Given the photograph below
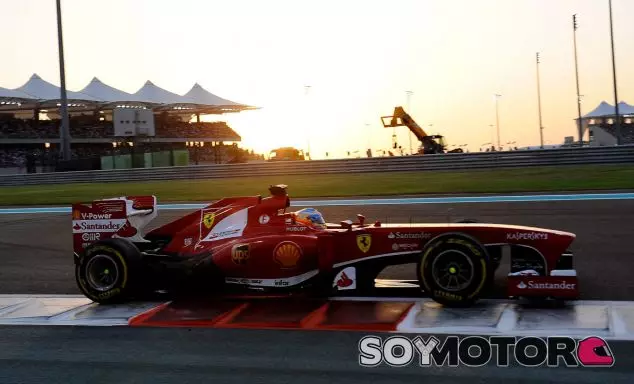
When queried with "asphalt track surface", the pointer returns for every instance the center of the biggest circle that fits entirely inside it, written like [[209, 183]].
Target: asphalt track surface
[[36, 249], [124, 355]]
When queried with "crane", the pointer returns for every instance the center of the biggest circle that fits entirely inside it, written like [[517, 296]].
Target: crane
[[430, 143]]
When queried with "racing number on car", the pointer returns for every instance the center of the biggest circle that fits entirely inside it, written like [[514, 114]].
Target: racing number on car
[[364, 242]]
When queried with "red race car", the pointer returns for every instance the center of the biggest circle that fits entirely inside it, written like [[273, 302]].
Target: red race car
[[253, 244]]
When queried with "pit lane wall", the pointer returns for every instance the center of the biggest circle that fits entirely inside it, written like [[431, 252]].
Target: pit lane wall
[[450, 161], [610, 320]]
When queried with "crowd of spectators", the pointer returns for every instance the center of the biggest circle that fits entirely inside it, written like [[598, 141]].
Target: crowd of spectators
[[627, 131], [87, 127]]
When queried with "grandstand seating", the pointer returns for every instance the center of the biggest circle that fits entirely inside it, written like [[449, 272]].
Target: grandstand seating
[[48, 129], [627, 131]]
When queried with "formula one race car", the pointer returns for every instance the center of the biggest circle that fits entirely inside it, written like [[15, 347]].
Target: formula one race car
[[254, 244]]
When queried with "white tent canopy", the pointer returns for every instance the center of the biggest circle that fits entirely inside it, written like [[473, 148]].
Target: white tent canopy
[[39, 91], [6, 93], [154, 94], [607, 110], [43, 90], [201, 96], [106, 93]]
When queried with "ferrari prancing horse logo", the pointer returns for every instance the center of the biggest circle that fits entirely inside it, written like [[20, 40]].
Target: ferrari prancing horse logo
[[208, 219], [364, 242]]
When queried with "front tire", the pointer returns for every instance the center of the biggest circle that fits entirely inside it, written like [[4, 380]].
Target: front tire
[[454, 270], [107, 271]]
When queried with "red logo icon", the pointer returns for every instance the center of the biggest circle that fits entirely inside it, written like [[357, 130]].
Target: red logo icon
[[344, 281], [593, 351], [76, 227]]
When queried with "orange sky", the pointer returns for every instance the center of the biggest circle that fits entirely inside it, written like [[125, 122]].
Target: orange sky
[[358, 56]]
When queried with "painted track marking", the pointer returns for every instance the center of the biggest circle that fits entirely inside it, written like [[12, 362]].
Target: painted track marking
[[384, 201]]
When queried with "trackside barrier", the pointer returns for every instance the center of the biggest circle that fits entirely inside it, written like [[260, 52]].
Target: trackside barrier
[[451, 161], [611, 320]]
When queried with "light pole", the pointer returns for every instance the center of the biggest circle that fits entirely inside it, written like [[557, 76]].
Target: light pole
[[579, 125], [65, 128], [616, 95], [497, 117], [306, 90], [409, 135], [539, 106]]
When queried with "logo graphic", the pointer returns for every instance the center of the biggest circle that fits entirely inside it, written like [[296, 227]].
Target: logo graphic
[[521, 285], [208, 219], [76, 214], [76, 227], [364, 242], [91, 236], [527, 236], [113, 225], [395, 247], [399, 235], [453, 351], [188, 241], [346, 279], [593, 351], [264, 219], [286, 254], [240, 254]]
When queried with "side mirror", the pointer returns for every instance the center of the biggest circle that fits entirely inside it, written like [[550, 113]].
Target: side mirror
[[346, 224]]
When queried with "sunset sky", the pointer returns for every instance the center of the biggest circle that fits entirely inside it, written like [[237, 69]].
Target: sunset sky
[[358, 56]]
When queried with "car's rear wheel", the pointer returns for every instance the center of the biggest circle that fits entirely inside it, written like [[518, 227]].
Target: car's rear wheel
[[107, 270], [453, 270]]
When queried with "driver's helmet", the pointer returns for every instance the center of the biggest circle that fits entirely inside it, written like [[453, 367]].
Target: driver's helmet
[[310, 217]]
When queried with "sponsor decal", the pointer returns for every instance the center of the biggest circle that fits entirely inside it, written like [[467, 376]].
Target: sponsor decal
[[188, 241], [240, 254], [287, 254], [364, 242], [208, 219], [527, 236], [234, 280], [281, 283], [528, 272], [224, 234], [296, 229], [397, 246], [346, 279], [114, 225], [96, 216], [91, 236], [76, 214], [399, 235], [264, 219], [478, 351], [533, 285], [229, 227]]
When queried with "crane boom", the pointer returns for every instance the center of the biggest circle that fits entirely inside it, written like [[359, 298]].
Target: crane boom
[[405, 120], [430, 144]]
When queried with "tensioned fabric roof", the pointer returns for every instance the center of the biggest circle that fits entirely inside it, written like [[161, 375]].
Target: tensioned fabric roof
[[605, 109], [39, 91]]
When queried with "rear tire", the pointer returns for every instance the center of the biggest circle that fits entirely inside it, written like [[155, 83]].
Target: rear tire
[[107, 271], [453, 270]]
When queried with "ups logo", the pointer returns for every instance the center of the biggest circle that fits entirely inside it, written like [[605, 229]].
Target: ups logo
[[240, 254]]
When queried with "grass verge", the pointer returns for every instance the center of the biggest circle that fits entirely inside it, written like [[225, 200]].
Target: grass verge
[[543, 179]]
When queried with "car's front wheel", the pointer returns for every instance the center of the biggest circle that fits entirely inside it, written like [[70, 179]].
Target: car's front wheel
[[107, 270], [453, 270]]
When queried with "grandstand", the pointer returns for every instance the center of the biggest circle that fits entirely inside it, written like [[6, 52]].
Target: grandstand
[[599, 124], [30, 121]]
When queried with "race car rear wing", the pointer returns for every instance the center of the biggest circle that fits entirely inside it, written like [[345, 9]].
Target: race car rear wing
[[124, 217]]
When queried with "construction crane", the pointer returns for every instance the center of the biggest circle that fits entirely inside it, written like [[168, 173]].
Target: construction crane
[[430, 144]]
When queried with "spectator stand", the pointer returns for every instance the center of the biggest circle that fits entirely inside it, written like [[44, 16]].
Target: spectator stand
[[30, 124]]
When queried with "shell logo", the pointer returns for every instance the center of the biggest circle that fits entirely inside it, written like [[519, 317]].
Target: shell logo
[[287, 254], [76, 215]]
